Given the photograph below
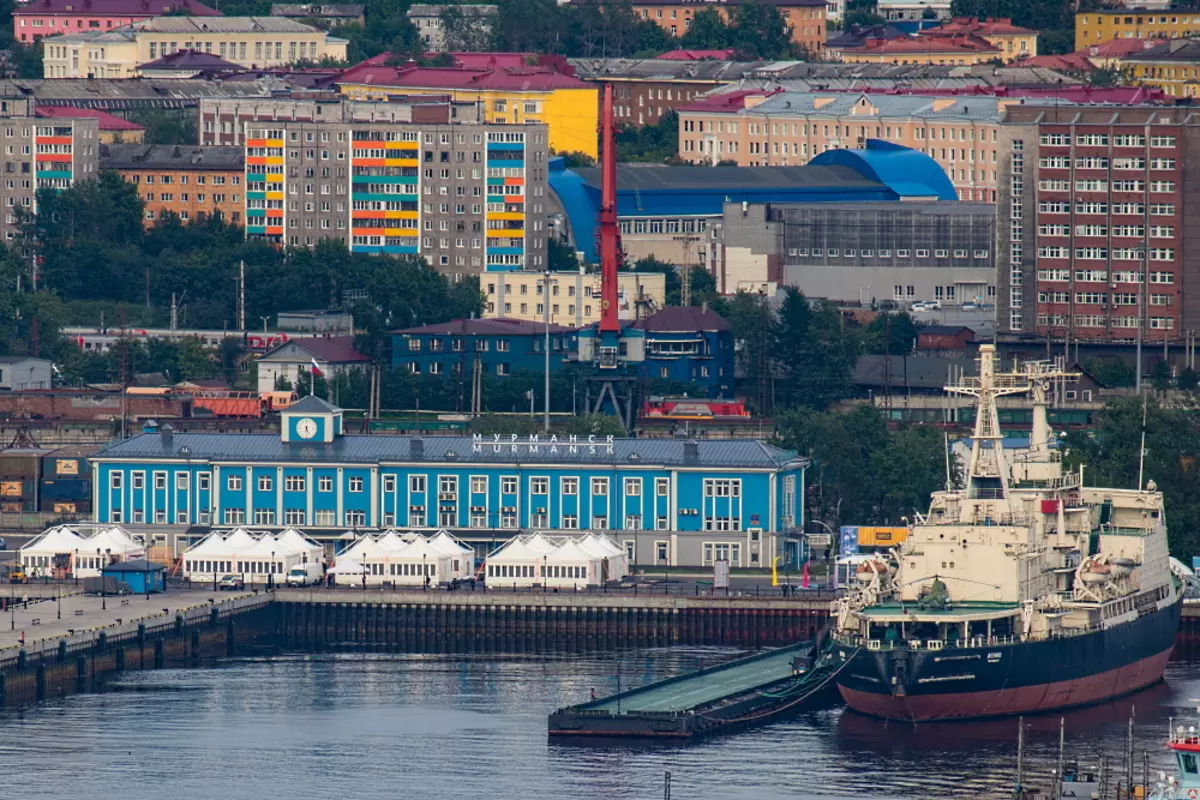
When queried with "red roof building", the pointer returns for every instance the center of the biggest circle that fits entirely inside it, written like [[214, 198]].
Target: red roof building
[[1013, 41], [113, 129], [42, 18], [957, 49]]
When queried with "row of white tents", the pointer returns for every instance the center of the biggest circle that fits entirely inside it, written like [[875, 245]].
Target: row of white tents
[[256, 557], [564, 562], [76, 551], [406, 559]]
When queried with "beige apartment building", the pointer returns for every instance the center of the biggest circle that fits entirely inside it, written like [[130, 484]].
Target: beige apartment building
[[574, 296], [762, 128], [250, 42]]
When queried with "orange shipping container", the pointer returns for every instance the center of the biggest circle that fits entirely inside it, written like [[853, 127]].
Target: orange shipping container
[[230, 406]]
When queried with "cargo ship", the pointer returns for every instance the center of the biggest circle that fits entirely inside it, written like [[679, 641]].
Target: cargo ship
[[1023, 591]]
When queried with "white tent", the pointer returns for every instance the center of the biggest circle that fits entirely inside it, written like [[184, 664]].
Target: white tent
[[117, 542], [539, 543], [462, 557], [514, 564], [238, 552], [616, 562], [61, 542], [410, 565], [348, 567], [571, 566], [310, 550]]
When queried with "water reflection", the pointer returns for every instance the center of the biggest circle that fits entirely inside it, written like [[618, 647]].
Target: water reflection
[[366, 726]]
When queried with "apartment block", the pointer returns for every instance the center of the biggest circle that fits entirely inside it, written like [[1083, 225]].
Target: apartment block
[[36, 20], [574, 296], [468, 197], [771, 128], [191, 182], [223, 120], [41, 154], [1092, 243]]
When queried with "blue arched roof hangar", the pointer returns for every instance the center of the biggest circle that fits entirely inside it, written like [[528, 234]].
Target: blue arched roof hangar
[[880, 171], [907, 172]]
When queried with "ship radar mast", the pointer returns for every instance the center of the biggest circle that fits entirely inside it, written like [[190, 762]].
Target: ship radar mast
[[988, 473]]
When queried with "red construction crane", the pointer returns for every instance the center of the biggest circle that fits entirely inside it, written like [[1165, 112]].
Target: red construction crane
[[610, 244]]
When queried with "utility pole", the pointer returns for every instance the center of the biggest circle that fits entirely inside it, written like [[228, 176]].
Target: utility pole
[[546, 388], [242, 296], [174, 313]]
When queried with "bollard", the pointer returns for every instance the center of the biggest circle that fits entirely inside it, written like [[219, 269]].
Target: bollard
[[102, 641], [62, 650], [22, 659], [40, 679]]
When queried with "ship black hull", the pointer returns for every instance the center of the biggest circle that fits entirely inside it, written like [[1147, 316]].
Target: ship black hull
[[1001, 680]]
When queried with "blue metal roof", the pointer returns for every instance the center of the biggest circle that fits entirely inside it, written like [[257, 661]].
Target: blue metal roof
[[352, 449], [907, 172], [882, 172]]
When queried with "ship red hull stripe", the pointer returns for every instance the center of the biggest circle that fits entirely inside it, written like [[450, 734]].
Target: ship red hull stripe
[[1023, 700]]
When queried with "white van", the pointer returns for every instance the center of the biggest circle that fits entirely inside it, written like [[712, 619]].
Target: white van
[[304, 574]]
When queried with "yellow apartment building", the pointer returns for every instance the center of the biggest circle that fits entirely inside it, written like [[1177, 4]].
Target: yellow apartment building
[[574, 296], [806, 18], [515, 95], [1106, 24], [247, 41]]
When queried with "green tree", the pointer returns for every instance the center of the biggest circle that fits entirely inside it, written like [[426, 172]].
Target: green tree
[[760, 31], [1187, 379], [752, 324], [708, 32], [813, 353], [657, 143], [464, 31], [892, 333], [166, 126], [561, 257], [1160, 376], [1113, 372]]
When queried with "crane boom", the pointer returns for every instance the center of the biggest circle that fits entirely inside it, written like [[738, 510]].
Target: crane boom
[[609, 231]]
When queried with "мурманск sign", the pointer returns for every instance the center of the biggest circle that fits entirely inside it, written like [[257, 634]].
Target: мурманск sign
[[552, 444]]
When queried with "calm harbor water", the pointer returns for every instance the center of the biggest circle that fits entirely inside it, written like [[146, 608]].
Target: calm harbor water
[[371, 726]]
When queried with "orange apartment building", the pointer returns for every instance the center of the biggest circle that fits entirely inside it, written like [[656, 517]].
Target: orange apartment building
[[806, 18], [193, 181], [762, 128]]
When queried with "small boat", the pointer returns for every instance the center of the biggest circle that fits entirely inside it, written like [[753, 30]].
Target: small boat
[[1184, 742]]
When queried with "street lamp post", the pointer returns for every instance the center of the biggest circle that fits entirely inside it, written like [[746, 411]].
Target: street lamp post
[[75, 567], [271, 574], [103, 597], [545, 571]]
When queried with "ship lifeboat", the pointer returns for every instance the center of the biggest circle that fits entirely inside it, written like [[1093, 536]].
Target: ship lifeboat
[[1122, 566], [868, 569], [1096, 573]]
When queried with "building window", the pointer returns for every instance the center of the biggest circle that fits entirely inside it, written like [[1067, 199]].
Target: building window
[[416, 483], [662, 486], [570, 486], [539, 485], [479, 484], [324, 518], [355, 518], [264, 483], [264, 516], [235, 516], [508, 484], [633, 522], [356, 485], [234, 483], [570, 522], [324, 483], [633, 487], [600, 486]]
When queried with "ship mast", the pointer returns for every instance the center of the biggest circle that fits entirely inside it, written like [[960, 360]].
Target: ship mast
[[987, 475]]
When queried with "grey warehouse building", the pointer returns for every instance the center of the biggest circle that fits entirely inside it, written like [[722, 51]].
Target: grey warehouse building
[[865, 252]]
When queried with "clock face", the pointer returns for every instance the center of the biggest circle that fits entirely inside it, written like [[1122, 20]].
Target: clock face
[[306, 428]]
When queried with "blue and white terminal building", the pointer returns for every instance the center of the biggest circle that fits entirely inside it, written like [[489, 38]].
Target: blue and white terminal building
[[670, 502]]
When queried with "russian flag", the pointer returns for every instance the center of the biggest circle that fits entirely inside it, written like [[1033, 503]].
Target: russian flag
[[317, 370]]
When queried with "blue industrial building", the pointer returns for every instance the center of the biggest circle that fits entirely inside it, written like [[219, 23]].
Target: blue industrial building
[[503, 346], [882, 171], [315, 477], [685, 344]]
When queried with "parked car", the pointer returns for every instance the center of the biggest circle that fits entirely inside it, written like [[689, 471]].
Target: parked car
[[3, 543], [970, 306], [17, 574], [927, 305], [231, 582]]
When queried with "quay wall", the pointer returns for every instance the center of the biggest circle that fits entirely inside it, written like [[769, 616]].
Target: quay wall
[[80, 661], [500, 622]]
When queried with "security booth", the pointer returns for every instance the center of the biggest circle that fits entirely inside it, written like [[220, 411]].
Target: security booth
[[141, 576]]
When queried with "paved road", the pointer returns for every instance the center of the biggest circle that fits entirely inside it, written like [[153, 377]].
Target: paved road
[[702, 689], [39, 620]]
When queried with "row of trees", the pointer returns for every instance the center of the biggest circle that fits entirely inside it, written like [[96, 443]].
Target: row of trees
[[94, 253]]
